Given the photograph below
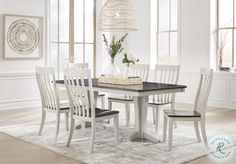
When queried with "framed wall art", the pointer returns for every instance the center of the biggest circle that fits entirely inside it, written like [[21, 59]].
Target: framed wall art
[[23, 37]]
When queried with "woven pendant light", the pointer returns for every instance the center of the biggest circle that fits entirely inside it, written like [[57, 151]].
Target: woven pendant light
[[117, 16]]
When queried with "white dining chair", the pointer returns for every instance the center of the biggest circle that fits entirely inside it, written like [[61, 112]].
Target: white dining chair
[[78, 65], [168, 74], [86, 66], [197, 115], [81, 97], [141, 70], [49, 97]]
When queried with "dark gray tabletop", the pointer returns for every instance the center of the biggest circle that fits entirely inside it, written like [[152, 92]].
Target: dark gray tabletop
[[145, 87]]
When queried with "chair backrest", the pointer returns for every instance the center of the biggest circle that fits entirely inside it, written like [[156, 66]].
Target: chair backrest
[[47, 87], [141, 70], [168, 74], [78, 65], [206, 78], [80, 92]]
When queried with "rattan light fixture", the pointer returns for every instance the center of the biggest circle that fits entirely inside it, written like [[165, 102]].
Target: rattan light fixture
[[117, 16]]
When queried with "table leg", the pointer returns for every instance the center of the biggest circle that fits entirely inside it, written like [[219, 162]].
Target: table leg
[[140, 104], [139, 112]]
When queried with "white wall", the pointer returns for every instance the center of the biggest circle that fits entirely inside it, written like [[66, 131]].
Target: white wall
[[194, 28], [17, 78], [195, 53], [138, 42], [194, 50]]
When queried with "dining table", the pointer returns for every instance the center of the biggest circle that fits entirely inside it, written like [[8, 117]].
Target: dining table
[[140, 94]]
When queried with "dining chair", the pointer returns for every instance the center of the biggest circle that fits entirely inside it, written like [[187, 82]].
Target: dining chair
[[49, 97], [78, 65], [81, 97], [168, 74], [141, 70], [86, 66], [197, 115]]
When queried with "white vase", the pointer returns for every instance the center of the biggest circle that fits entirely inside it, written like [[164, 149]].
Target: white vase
[[112, 70]]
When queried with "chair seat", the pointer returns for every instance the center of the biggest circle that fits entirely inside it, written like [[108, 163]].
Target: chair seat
[[64, 106], [159, 103], [121, 98], [101, 95], [181, 113], [103, 112]]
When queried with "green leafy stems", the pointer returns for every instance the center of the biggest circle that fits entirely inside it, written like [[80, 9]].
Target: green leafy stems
[[115, 47]]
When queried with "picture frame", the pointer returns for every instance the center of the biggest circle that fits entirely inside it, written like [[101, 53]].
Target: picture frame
[[23, 37]]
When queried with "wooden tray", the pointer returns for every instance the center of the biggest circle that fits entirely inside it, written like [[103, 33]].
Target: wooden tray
[[119, 80]]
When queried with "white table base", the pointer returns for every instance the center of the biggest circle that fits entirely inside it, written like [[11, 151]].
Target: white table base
[[140, 105]]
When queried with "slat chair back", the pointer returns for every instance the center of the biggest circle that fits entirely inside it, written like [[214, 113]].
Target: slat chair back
[[206, 78], [86, 66], [47, 86], [78, 65], [168, 74], [80, 92], [141, 70]]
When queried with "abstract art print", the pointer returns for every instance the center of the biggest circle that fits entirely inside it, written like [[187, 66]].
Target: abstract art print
[[23, 38]]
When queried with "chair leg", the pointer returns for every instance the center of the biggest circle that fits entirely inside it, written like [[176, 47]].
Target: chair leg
[[170, 133], [172, 106], [42, 122], [67, 121], [116, 126], [103, 102], [204, 136], [127, 109], [164, 128], [175, 125], [196, 127], [58, 124], [154, 115], [83, 127], [109, 108], [157, 118], [109, 104], [72, 128], [92, 136]]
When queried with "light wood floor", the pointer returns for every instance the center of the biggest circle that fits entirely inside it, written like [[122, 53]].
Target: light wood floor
[[15, 151]]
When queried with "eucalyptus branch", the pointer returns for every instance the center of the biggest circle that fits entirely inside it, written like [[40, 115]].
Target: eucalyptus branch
[[105, 40], [115, 47], [123, 38]]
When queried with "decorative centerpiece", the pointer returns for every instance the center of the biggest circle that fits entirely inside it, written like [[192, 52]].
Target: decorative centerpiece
[[129, 59], [113, 49], [119, 80], [112, 77]]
